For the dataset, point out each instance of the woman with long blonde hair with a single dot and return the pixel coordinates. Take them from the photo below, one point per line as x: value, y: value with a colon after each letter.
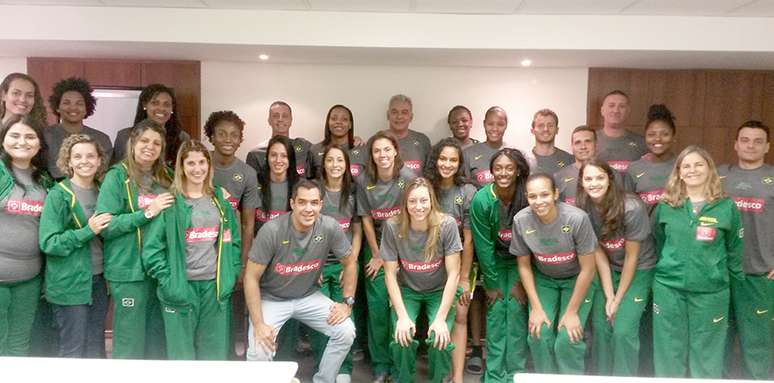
x: 698, y: 235
x: 421, y: 249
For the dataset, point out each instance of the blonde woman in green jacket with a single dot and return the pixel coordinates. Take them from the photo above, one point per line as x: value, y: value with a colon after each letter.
x: 698, y: 235
x: 134, y: 192
x: 69, y: 236
x: 192, y: 250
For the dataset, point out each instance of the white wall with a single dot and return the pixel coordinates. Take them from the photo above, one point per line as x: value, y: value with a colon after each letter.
x: 249, y: 89
x: 12, y: 64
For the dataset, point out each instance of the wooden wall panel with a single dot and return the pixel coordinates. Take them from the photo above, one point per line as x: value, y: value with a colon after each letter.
x: 48, y: 72
x: 182, y: 76
x: 708, y: 105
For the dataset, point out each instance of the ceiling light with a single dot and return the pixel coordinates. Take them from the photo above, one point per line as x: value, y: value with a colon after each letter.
x: 526, y: 62
x: 263, y: 56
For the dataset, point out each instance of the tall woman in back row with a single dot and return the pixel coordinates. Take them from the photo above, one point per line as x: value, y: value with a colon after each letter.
x: 698, y: 234
x: 555, y: 245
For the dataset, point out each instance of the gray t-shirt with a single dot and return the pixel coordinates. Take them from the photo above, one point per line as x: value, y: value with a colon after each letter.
x: 649, y: 179
x: 279, y: 203
x: 553, y: 163
x: 415, y: 271
x: 20, y: 217
x: 345, y: 215
x: 753, y: 192
x: 257, y: 158
x: 619, y: 152
x: 415, y: 151
x: 566, y: 181
x: 476, y: 164
x: 357, y: 159
x: 381, y: 200
x: 455, y: 201
x: 201, y: 238
x: 636, y: 228
x: 55, y: 135
x: 555, y: 247
x: 294, y: 260
x: 87, y: 198
x: 240, y: 182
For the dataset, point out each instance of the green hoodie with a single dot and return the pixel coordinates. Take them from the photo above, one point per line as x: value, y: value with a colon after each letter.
x: 697, y: 253
x: 163, y: 254
x: 123, y: 236
x: 64, y: 238
x: 485, y: 227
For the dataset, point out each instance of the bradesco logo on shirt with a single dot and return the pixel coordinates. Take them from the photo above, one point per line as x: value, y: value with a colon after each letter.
x: 344, y: 224
x: 233, y: 202
x: 505, y: 235
x: 201, y: 234
x: 262, y: 216
x: 414, y: 165
x: 652, y: 197
x: 386, y: 213
x: 421, y: 267
x: 621, y: 166
x: 556, y: 258
x: 144, y: 200
x: 613, y: 244
x: 24, y: 207
x: 484, y: 176
x: 749, y: 204
x: 355, y: 169
x: 297, y: 268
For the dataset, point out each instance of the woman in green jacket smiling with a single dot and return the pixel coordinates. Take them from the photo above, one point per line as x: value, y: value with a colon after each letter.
x: 698, y: 239
x: 192, y: 250
x: 134, y: 192
x: 69, y: 235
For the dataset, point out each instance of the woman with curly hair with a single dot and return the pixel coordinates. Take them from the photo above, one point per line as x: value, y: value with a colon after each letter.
x: 72, y: 102
x: 69, y: 235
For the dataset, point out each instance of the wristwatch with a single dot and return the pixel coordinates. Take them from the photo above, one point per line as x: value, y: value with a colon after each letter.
x: 349, y: 301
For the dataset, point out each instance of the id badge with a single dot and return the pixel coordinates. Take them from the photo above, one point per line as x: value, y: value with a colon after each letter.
x: 706, y: 233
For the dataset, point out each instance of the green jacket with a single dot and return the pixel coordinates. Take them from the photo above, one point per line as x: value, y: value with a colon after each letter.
x: 122, y: 239
x: 64, y: 238
x: 694, y: 265
x: 6, y: 181
x: 485, y: 225
x: 163, y: 254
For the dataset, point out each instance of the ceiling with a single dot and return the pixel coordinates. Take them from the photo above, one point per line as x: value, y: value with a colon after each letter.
x: 725, y: 8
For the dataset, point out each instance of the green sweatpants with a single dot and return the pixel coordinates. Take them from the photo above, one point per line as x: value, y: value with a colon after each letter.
x: 506, y: 330
x: 331, y: 288
x: 18, y: 305
x: 202, y: 331
x: 753, y: 305
x: 379, y: 329
x: 616, y: 347
x: 689, y: 332
x: 138, y: 330
x: 404, y: 367
x: 553, y: 352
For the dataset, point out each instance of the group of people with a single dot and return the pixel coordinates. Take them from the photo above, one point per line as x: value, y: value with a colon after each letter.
x: 437, y: 238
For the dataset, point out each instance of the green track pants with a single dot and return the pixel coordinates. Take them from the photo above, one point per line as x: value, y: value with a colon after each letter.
x: 379, y: 329
x: 752, y: 302
x: 506, y: 330
x: 553, y: 352
x: 18, y: 305
x: 616, y: 347
x: 138, y: 330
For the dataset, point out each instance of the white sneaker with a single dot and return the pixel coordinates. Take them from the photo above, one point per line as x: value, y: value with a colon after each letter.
x: 343, y: 378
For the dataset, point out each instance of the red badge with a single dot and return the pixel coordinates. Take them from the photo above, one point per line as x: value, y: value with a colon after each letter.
x: 704, y: 233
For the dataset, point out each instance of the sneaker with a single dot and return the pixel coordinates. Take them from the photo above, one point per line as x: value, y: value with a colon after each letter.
x: 382, y: 378
x: 343, y: 378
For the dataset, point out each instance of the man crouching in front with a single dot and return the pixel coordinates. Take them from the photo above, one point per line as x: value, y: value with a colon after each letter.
x: 280, y: 283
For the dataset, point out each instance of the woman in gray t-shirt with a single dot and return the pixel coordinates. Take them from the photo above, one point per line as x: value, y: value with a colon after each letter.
x: 555, y: 244
x: 625, y: 265
x: 421, y: 251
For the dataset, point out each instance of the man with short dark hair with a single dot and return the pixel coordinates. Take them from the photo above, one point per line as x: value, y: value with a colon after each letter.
x: 548, y: 158
x: 615, y: 144
x: 285, y: 263
x: 280, y: 119
x: 751, y: 184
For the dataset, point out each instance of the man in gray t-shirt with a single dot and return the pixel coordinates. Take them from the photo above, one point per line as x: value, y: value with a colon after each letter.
x: 547, y: 157
x: 415, y: 272
x: 615, y: 144
x: 414, y: 147
x: 285, y: 262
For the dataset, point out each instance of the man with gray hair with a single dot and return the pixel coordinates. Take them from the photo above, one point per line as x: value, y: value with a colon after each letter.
x: 414, y: 147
